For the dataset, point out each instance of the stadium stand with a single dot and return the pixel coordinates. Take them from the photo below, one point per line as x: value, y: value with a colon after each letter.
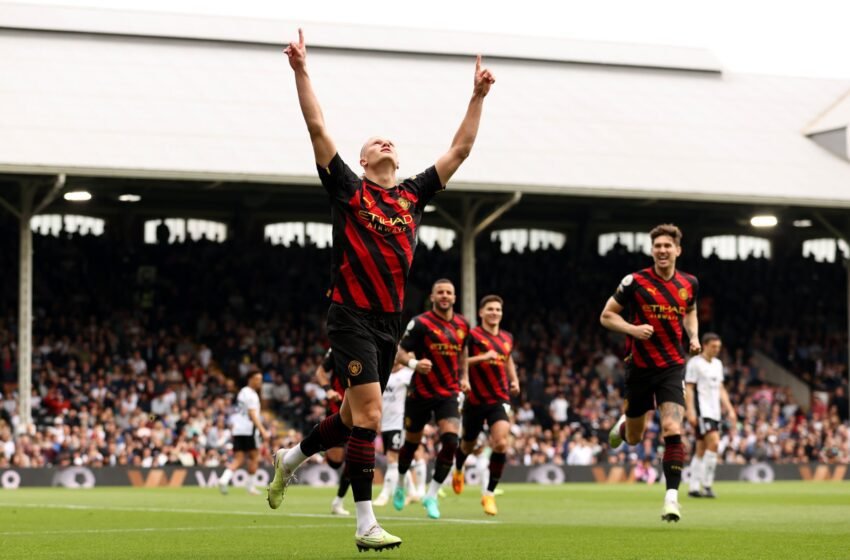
x: 138, y: 351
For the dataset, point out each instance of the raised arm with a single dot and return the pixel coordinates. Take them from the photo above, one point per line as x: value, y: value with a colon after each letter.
x: 323, y: 146
x: 465, y: 136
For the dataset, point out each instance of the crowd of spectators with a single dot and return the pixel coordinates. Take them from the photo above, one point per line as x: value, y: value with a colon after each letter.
x: 139, y: 366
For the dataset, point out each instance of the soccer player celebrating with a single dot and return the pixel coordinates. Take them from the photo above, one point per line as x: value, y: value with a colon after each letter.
x: 392, y: 424
x: 335, y: 456
x: 375, y: 222
x: 492, y: 379
x: 704, y: 396
x: 660, y: 302
x: 439, y: 339
x: 247, y: 424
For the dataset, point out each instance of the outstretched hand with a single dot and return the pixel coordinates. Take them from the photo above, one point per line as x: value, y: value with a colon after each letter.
x: 483, y: 79
x: 297, y: 52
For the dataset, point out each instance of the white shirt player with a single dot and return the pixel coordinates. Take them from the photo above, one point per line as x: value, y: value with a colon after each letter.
x: 708, y: 377
x: 394, y: 397
x: 246, y: 400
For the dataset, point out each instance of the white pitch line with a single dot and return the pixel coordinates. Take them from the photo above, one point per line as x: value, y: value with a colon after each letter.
x: 237, y: 512
x: 154, y: 530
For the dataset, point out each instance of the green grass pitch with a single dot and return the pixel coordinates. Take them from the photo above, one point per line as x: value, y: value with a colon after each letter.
x: 751, y: 521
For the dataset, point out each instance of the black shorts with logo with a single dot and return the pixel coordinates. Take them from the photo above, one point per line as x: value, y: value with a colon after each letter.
x: 364, y: 344
x: 417, y: 412
x: 474, y: 417
x: 646, y: 388
x: 245, y: 443
x: 706, y: 425
x: 392, y: 440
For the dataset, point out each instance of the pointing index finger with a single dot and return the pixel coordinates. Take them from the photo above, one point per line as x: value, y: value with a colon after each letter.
x: 477, y: 63
x: 300, y: 37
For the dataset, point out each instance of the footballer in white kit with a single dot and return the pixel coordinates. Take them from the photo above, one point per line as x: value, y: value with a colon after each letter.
x: 705, y: 397
x: 392, y: 424
x: 246, y: 427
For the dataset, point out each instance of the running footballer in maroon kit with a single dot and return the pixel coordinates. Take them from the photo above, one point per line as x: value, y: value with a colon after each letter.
x: 659, y: 304
x: 435, y: 348
x: 488, y: 388
x: 375, y: 221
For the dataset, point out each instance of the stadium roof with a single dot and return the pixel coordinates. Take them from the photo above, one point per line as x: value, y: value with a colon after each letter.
x: 139, y: 95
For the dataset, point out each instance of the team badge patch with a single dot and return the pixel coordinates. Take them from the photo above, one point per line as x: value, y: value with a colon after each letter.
x: 355, y: 368
x: 683, y: 294
x: 404, y: 203
x: 460, y: 333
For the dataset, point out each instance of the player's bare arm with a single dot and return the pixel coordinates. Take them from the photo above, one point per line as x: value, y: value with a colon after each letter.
x: 727, y: 404
x: 689, y: 404
x: 325, y: 382
x: 408, y: 359
x: 612, y: 319
x: 324, y: 148
x: 691, y: 324
x: 486, y: 356
x: 464, y: 370
x: 512, y: 376
x: 255, y: 418
x: 463, y: 140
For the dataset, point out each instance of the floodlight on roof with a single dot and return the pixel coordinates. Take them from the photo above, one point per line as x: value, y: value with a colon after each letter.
x: 763, y: 221
x: 77, y: 196
x: 802, y: 223
x: 129, y: 198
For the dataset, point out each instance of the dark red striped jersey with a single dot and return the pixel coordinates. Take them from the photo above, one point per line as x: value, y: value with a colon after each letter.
x: 374, y: 235
x: 335, y: 380
x: 488, y: 380
x: 432, y: 337
x: 651, y: 300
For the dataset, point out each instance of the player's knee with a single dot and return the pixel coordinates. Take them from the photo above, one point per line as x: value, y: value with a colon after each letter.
x: 468, y: 446
x: 633, y: 438
x: 500, y: 445
x: 449, y: 443
x: 335, y: 465
x: 670, y: 427
x: 369, y: 418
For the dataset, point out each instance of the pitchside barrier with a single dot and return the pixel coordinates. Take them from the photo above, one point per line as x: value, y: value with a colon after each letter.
x: 322, y: 475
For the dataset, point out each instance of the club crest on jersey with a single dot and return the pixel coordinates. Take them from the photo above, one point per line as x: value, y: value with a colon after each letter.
x: 404, y: 203
x: 683, y: 293
x: 507, y: 348
x: 460, y: 334
x: 355, y: 368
